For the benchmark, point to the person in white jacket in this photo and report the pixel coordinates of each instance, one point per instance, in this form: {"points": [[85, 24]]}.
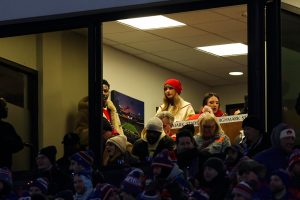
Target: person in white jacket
{"points": [[173, 103]]}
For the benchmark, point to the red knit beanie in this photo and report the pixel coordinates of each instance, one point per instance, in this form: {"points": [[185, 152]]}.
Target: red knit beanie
{"points": [[176, 84]]}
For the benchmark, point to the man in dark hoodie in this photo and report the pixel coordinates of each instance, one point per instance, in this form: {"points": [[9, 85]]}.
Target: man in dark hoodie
{"points": [[188, 156], [283, 141], [255, 140]]}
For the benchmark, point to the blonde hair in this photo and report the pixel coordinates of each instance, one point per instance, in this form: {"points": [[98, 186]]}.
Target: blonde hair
{"points": [[209, 117], [175, 102]]}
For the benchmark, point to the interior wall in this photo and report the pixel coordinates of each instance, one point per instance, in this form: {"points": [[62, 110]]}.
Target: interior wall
{"points": [[290, 88], [144, 81], [231, 94], [21, 49], [63, 76]]}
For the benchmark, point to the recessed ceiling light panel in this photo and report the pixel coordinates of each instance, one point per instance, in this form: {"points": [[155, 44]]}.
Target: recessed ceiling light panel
{"points": [[233, 49], [151, 22], [236, 73]]}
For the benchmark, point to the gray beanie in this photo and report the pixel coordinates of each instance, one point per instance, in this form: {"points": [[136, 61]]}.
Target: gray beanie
{"points": [[154, 124], [275, 136]]}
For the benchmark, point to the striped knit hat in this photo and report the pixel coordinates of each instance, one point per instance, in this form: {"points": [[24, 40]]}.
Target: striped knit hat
{"points": [[243, 189], [163, 159], [106, 190], [134, 182], [294, 158], [41, 183], [84, 158]]}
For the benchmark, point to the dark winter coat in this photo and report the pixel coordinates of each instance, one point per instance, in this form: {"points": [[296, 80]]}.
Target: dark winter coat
{"points": [[10, 142]]}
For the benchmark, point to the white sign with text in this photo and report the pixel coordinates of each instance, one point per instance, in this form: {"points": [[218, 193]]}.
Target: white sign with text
{"points": [[225, 119]]}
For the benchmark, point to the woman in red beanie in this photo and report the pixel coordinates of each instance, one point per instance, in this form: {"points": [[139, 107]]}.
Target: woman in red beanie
{"points": [[173, 103]]}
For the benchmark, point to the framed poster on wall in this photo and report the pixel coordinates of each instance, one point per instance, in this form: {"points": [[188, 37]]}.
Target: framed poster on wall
{"points": [[131, 113]]}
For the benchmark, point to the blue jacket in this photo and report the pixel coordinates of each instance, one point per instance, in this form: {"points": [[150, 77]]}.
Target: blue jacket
{"points": [[273, 158]]}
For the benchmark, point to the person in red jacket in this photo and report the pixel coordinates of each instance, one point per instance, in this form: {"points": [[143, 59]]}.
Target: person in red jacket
{"points": [[210, 100]]}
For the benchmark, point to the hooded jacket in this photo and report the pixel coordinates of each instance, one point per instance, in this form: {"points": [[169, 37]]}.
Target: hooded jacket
{"points": [[185, 111], [274, 158], [82, 119]]}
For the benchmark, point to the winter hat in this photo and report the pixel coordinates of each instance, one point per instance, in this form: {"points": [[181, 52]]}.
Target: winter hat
{"points": [[176, 84], [5, 175], [163, 159], [215, 163], [199, 195], [133, 183], [41, 183], [276, 132], [184, 133], [287, 133], [149, 195], [294, 158], [188, 127], [154, 124], [49, 152], [84, 158], [283, 175], [71, 138], [243, 189], [251, 121], [119, 141], [65, 194]]}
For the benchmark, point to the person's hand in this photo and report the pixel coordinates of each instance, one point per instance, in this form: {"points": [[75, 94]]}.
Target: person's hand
{"points": [[207, 109], [237, 112]]}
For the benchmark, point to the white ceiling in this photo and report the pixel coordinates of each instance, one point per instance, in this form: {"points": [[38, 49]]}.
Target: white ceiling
{"points": [[173, 48]]}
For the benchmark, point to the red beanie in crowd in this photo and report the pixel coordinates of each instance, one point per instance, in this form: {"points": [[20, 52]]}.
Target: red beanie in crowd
{"points": [[176, 84]]}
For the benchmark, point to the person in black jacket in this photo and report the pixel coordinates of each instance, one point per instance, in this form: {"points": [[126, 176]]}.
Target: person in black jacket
{"points": [[10, 141], [256, 140], [153, 141]]}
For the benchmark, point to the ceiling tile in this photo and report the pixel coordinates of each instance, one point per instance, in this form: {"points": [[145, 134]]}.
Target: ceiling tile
{"points": [[177, 54], [197, 17], [153, 58], [128, 49], [202, 40], [176, 32], [236, 36], [176, 67], [133, 36], [243, 59], [109, 42], [115, 27], [224, 72], [230, 25], [157, 45], [173, 48], [202, 62], [236, 12]]}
